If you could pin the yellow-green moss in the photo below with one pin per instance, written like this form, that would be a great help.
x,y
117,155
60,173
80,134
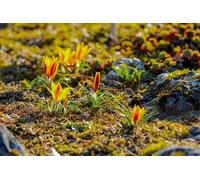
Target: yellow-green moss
x,y
177,73
161,133
152,148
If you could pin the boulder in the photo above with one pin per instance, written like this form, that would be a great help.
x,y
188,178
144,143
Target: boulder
x,y
175,96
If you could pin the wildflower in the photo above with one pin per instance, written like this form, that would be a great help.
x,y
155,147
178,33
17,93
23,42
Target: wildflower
x,y
58,93
82,51
51,67
66,57
137,113
71,60
96,82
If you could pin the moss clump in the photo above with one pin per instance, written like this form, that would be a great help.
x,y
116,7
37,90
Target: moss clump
x,y
162,134
166,130
79,127
177,73
152,148
178,153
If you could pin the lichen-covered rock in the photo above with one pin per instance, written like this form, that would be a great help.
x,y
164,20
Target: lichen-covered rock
x,y
8,144
175,95
112,79
179,150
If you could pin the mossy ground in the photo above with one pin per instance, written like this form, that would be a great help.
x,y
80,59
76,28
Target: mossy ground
x,y
83,130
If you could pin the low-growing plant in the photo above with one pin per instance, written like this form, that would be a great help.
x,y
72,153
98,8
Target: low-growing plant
x,y
128,74
135,116
82,51
38,84
59,94
72,60
67,59
51,68
94,95
138,114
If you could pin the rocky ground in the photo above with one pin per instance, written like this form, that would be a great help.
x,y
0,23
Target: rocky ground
x,y
168,55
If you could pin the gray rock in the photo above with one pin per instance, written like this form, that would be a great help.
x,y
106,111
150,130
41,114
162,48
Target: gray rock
x,y
187,151
161,78
133,62
177,104
112,75
196,138
175,97
8,144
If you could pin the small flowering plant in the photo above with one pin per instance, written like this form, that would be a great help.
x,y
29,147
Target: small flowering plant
x,y
138,114
82,51
70,59
135,116
59,95
94,95
67,58
96,82
51,68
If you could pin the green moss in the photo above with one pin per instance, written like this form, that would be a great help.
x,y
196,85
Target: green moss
x,y
166,130
152,148
78,126
177,73
161,134
178,153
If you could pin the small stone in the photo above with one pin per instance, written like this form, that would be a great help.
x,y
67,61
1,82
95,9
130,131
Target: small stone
x,y
8,144
195,131
54,152
133,62
112,75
